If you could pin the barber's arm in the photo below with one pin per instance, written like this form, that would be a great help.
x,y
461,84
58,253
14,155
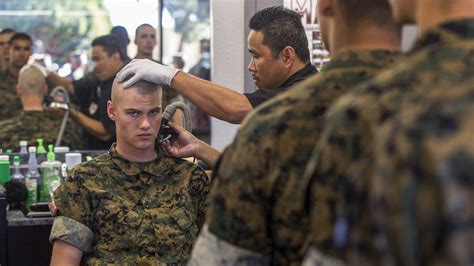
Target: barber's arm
x,y
92,126
65,254
188,145
213,99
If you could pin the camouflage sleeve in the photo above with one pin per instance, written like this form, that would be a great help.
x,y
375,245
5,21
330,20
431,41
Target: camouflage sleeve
x,y
72,223
199,189
239,207
212,251
339,162
423,193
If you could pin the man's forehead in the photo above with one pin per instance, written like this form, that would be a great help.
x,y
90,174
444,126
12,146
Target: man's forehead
x,y
22,43
146,30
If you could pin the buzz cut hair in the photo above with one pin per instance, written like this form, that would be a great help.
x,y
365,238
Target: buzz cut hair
x,y
143,87
142,26
377,12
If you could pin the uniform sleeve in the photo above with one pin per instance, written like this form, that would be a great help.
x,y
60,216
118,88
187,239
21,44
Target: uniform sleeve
x,y
73,215
199,189
240,194
422,193
338,170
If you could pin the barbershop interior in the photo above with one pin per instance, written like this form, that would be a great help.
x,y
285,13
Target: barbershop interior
x,y
236,132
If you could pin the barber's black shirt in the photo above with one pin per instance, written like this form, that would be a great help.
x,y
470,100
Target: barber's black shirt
x,y
262,95
91,95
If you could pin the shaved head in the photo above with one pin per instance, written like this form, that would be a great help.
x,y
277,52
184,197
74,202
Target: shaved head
x,y
143,87
32,81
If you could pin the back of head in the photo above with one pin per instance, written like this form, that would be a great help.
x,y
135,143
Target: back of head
x,y
32,81
281,27
362,12
111,45
20,36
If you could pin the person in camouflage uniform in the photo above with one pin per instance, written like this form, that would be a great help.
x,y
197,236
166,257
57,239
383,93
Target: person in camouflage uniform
x,y
254,214
342,165
20,51
34,122
423,180
133,205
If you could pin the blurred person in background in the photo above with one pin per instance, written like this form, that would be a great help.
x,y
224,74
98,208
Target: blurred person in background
x,y
20,50
5,36
122,35
34,121
145,39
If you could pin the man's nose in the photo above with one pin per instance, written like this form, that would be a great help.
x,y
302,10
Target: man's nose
x,y
251,66
145,123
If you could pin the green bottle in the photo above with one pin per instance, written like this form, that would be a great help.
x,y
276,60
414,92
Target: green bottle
x,y
4,169
51,175
40,148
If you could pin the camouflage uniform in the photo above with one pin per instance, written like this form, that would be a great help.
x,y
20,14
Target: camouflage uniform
x,y
125,213
10,104
32,125
424,179
343,161
254,209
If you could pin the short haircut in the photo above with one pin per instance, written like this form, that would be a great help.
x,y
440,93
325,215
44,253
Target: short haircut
x,y
142,26
31,80
121,33
281,27
367,11
143,87
7,31
20,36
111,45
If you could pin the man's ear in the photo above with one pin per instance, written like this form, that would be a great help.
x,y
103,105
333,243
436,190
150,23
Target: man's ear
x,y
111,110
116,57
288,55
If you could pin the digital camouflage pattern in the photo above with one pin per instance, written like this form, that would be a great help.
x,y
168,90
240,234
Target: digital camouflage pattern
x,y
10,103
343,161
424,182
255,203
138,213
32,125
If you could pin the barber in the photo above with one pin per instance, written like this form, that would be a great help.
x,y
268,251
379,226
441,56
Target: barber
x,y
280,58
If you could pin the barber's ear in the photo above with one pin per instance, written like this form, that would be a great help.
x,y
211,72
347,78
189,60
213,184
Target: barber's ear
x,y
288,55
111,110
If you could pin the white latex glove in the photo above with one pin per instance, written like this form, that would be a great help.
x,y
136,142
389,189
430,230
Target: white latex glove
x,y
145,69
44,71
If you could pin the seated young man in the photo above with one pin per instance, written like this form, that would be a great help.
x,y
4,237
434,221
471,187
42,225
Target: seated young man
x,y
133,205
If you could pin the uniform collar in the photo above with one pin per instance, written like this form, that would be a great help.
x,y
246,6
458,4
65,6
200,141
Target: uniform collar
x,y
446,33
133,168
356,58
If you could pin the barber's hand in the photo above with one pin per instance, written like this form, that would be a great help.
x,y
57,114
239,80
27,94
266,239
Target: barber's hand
x,y
185,146
145,69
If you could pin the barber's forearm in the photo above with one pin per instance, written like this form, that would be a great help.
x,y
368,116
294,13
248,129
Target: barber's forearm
x,y
92,126
214,100
207,154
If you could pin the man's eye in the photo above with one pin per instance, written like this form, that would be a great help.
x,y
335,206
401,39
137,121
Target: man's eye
x,y
155,112
133,114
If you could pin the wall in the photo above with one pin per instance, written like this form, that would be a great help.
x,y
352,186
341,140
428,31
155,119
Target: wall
x,y
229,20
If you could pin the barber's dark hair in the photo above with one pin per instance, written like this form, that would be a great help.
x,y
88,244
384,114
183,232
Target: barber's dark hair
x,y
20,36
111,45
375,12
281,27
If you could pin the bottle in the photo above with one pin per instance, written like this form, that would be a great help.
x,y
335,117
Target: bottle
x,y
23,151
17,175
4,169
40,148
51,175
32,176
